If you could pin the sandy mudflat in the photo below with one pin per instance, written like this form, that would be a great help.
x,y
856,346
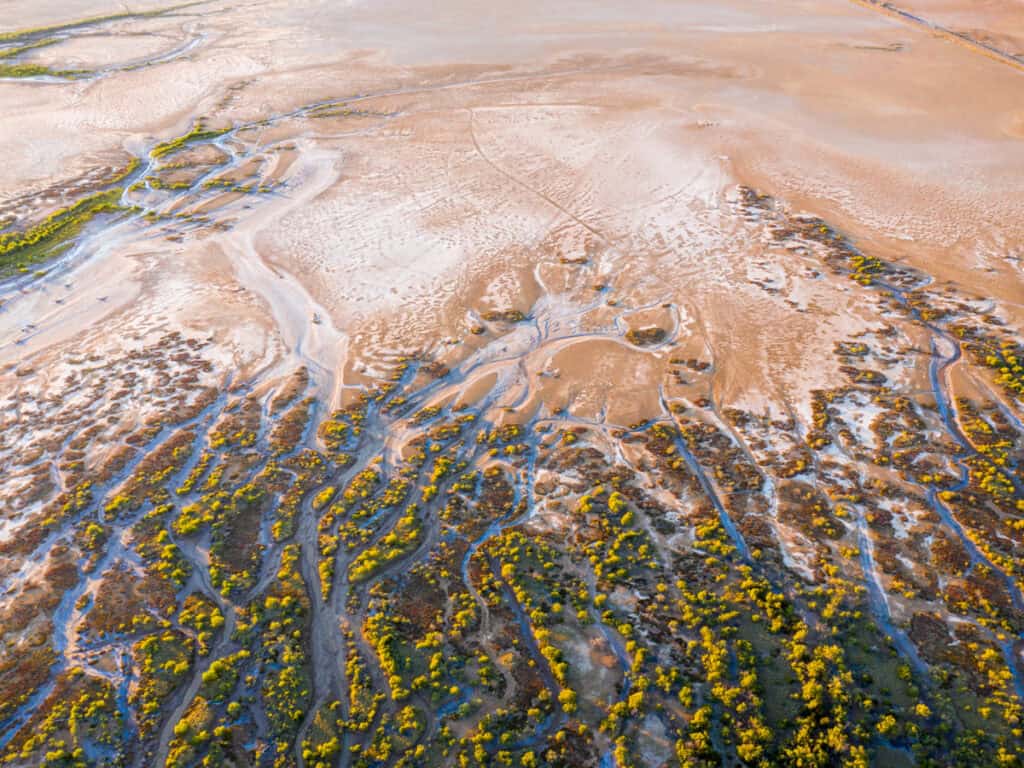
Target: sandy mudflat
x,y
469,156
734,286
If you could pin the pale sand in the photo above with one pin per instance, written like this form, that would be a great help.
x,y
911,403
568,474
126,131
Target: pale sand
x,y
480,151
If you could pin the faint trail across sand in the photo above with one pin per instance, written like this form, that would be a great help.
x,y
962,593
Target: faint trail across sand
x,y
973,44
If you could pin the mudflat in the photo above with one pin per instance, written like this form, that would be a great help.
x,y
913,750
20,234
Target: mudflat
x,y
619,384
